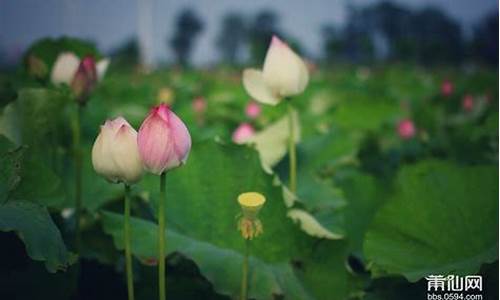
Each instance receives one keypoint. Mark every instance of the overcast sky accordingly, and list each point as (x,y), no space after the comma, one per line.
(110,22)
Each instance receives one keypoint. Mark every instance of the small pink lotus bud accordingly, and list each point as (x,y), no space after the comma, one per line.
(115,154)
(406,129)
(447,88)
(164,141)
(199,105)
(468,103)
(85,79)
(252,110)
(243,133)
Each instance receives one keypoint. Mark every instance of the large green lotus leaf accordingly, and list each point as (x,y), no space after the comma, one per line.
(25,177)
(324,202)
(442,219)
(10,157)
(33,115)
(201,210)
(365,115)
(37,183)
(364,196)
(327,151)
(35,228)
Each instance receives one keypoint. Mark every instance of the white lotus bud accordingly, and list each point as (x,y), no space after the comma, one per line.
(284,74)
(102,67)
(115,154)
(64,68)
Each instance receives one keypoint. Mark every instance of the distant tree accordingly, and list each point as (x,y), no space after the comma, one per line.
(332,43)
(357,42)
(389,31)
(485,40)
(188,26)
(438,38)
(261,30)
(231,37)
(393,23)
(127,54)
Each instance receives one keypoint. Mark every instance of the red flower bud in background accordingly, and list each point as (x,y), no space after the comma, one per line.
(468,103)
(85,79)
(447,88)
(163,139)
(253,110)
(199,105)
(406,129)
(243,133)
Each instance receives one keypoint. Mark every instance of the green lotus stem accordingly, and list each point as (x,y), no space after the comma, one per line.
(244,277)
(292,153)
(128,250)
(78,175)
(161,238)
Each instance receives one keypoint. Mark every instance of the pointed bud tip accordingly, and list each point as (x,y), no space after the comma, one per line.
(276,41)
(162,110)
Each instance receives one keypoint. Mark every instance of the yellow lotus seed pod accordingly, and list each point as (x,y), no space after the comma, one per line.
(251,203)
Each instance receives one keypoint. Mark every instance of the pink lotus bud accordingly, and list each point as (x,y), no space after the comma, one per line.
(243,133)
(447,88)
(199,105)
(115,154)
(85,79)
(164,141)
(406,129)
(252,110)
(468,103)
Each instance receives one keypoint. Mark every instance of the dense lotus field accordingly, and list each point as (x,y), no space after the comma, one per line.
(397,179)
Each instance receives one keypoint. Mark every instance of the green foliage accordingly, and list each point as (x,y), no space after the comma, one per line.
(35,228)
(201,216)
(373,213)
(442,219)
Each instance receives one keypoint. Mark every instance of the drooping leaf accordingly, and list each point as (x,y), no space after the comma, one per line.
(35,228)
(442,219)
(272,142)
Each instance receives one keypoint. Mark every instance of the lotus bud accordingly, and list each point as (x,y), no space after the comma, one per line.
(115,154)
(468,103)
(284,74)
(406,129)
(199,105)
(164,141)
(64,68)
(85,79)
(447,88)
(243,133)
(253,110)
(249,225)
(101,68)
